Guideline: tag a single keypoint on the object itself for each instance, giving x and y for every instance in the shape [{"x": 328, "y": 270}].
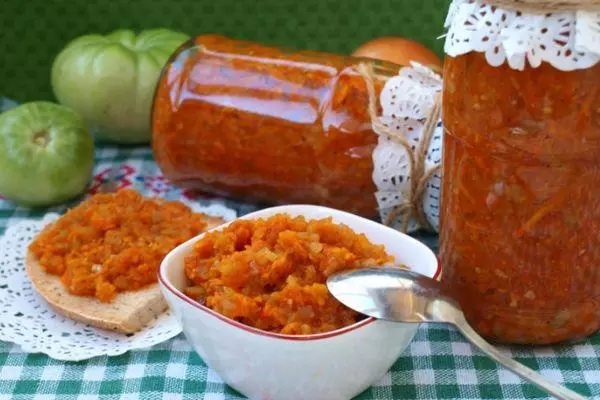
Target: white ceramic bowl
[{"x": 329, "y": 366}]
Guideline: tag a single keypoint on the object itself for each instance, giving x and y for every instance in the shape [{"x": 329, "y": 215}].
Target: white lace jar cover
[
  {"x": 27, "y": 320},
  {"x": 568, "y": 40},
  {"x": 407, "y": 100}
]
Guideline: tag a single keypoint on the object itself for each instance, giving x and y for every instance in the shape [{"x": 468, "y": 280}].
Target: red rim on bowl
[{"x": 316, "y": 336}]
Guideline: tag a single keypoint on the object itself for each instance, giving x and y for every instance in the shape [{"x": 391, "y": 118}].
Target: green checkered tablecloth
[{"x": 439, "y": 363}]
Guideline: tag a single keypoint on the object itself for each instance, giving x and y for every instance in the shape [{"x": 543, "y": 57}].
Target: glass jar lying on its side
[
  {"x": 240, "y": 119},
  {"x": 520, "y": 233}
]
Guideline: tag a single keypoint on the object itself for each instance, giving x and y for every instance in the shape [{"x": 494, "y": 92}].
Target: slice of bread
[{"x": 129, "y": 312}]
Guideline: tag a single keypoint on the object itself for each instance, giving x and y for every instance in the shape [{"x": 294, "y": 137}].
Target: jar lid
[{"x": 565, "y": 34}]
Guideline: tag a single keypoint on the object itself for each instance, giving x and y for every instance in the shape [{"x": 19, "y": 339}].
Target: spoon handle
[{"x": 528, "y": 374}]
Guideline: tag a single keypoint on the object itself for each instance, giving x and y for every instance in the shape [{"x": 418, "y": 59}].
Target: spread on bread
[{"x": 114, "y": 243}]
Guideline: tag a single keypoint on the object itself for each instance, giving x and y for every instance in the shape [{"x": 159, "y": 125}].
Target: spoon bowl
[{"x": 393, "y": 294}]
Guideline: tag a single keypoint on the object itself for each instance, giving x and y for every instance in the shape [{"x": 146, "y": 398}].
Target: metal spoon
[{"x": 394, "y": 294}]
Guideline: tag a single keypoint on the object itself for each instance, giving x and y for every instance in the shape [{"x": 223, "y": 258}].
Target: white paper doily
[
  {"x": 27, "y": 320},
  {"x": 566, "y": 40},
  {"x": 407, "y": 100}
]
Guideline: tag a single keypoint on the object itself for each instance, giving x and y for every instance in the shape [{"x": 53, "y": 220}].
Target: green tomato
[
  {"x": 110, "y": 80},
  {"x": 46, "y": 154}
]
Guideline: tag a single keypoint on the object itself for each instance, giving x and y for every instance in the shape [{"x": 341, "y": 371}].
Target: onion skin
[{"x": 400, "y": 51}]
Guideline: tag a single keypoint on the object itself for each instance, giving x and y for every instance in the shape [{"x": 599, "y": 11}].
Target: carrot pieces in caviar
[
  {"x": 112, "y": 243},
  {"x": 275, "y": 278}
]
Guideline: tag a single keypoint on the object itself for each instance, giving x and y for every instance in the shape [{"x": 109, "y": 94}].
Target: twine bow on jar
[{"x": 411, "y": 206}]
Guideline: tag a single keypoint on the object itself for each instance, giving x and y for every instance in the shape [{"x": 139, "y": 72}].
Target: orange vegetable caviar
[
  {"x": 113, "y": 242},
  {"x": 241, "y": 119},
  {"x": 521, "y": 210},
  {"x": 271, "y": 273}
]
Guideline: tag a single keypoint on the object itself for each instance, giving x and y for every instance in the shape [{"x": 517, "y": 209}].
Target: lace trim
[
  {"x": 407, "y": 100},
  {"x": 566, "y": 40}
]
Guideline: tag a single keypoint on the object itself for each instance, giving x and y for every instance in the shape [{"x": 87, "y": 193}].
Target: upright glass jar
[
  {"x": 520, "y": 223},
  {"x": 255, "y": 122}
]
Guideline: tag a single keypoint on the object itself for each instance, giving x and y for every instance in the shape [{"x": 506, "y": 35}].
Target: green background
[{"x": 32, "y": 32}]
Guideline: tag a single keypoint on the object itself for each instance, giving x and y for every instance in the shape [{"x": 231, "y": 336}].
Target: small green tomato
[
  {"x": 110, "y": 80},
  {"x": 46, "y": 154}
]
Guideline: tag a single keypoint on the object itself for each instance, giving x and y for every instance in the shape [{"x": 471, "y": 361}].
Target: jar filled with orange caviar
[
  {"x": 520, "y": 220},
  {"x": 259, "y": 123}
]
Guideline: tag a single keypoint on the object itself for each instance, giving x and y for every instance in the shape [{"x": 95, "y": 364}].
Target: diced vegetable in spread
[
  {"x": 271, "y": 273},
  {"x": 114, "y": 242}
]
